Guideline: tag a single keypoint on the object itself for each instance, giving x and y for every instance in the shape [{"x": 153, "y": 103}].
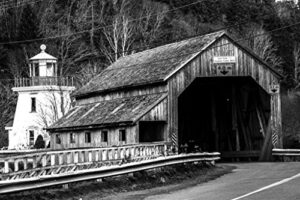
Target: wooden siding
[
  {"x": 202, "y": 66},
  {"x": 113, "y": 138},
  {"x": 158, "y": 113},
  {"x": 122, "y": 94}
]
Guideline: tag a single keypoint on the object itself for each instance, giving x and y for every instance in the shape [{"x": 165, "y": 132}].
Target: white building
[{"x": 42, "y": 99}]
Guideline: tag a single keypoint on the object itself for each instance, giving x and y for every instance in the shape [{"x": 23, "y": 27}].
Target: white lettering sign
[{"x": 224, "y": 59}]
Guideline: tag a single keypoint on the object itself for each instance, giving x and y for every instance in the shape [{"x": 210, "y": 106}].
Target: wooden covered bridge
[{"x": 207, "y": 92}]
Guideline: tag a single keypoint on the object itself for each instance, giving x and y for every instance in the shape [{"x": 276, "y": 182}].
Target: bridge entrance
[{"x": 225, "y": 114}]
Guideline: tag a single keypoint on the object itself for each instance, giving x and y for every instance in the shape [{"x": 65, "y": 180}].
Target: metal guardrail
[
  {"x": 286, "y": 154},
  {"x": 295, "y": 152},
  {"x": 10, "y": 186}
]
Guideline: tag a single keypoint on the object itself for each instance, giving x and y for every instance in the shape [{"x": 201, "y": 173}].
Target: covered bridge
[{"x": 207, "y": 91}]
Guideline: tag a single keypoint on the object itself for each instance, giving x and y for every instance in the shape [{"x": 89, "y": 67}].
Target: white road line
[{"x": 268, "y": 186}]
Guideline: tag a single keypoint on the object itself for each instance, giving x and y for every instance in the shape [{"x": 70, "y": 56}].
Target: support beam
[
  {"x": 265, "y": 155},
  {"x": 234, "y": 118},
  {"x": 214, "y": 120}
]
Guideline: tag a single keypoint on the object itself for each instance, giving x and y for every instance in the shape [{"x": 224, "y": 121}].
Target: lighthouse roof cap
[{"x": 43, "y": 55}]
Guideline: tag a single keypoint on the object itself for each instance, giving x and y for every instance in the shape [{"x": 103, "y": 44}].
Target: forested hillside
[{"x": 87, "y": 35}]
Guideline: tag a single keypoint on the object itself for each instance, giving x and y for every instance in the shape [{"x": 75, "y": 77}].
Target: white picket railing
[{"x": 71, "y": 157}]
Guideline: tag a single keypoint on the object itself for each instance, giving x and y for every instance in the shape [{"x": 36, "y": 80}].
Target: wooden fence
[{"x": 44, "y": 81}]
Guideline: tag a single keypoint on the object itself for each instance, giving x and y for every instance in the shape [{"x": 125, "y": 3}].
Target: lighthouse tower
[{"x": 42, "y": 99}]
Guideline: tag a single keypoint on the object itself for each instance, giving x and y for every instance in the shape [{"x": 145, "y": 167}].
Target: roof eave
[
  {"x": 150, "y": 108},
  {"x": 237, "y": 44},
  {"x": 91, "y": 126},
  {"x": 249, "y": 51},
  {"x": 106, "y": 91},
  {"x": 193, "y": 56}
]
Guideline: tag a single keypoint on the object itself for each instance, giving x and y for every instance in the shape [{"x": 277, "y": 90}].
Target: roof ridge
[
  {"x": 171, "y": 43},
  {"x": 154, "y": 64}
]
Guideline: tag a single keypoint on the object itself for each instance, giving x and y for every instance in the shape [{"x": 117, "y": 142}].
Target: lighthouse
[{"x": 42, "y": 99}]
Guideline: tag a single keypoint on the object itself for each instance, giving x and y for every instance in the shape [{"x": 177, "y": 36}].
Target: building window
[
  {"x": 122, "y": 135},
  {"x": 87, "y": 137},
  {"x": 104, "y": 135},
  {"x": 49, "y": 69},
  {"x": 33, "y": 104},
  {"x": 36, "y": 69},
  {"x": 72, "y": 137},
  {"x": 31, "y": 137},
  {"x": 57, "y": 139},
  {"x": 54, "y": 70}
]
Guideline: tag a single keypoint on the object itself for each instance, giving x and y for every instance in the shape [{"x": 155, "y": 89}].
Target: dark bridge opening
[
  {"x": 227, "y": 114},
  {"x": 151, "y": 131}
]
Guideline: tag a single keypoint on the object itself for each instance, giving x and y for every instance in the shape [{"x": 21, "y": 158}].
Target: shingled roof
[
  {"x": 118, "y": 111},
  {"x": 150, "y": 66}
]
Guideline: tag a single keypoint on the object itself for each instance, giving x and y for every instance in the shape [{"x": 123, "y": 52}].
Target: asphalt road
[{"x": 250, "y": 181}]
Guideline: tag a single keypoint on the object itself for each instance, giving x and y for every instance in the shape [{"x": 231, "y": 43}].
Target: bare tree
[
  {"x": 129, "y": 26},
  {"x": 7, "y": 108},
  {"x": 69, "y": 49},
  {"x": 119, "y": 35},
  {"x": 151, "y": 18},
  {"x": 55, "y": 104},
  {"x": 261, "y": 43},
  {"x": 87, "y": 72},
  {"x": 296, "y": 59}
]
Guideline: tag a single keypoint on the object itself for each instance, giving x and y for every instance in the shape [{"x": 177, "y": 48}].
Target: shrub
[{"x": 39, "y": 143}]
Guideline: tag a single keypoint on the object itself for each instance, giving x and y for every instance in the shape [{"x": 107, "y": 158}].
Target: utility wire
[
  {"x": 194, "y": 52},
  {"x": 134, "y": 49},
  {"x": 111, "y": 25},
  {"x": 5, "y": 6},
  {"x": 95, "y": 28}
]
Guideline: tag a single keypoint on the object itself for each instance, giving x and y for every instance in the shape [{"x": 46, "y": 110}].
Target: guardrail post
[
  {"x": 104, "y": 154},
  {"x": 109, "y": 156},
  {"x": 16, "y": 164},
  {"x": 131, "y": 152},
  {"x": 60, "y": 158},
  {"x": 85, "y": 156},
  {"x": 76, "y": 156},
  {"x": 80, "y": 156},
  {"x": 122, "y": 153},
  {"x": 34, "y": 162},
  {"x": 44, "y": 160},
  {"x": 6, "y": 166},
  {"x": 100, "y": 155},
  {"x": 117, "y": 153},
  {"x": 126, "y": 152},
  {"x": 90, "y": 156},
  {"x": 136, "y": 152},
  {"x": 53, "y": 159},
  {"x": 96, "y": 155},
  {"x": 165, "y": 150},
  {"x": 69, "y": 159},
  {"x": 25, "y": 163}
]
